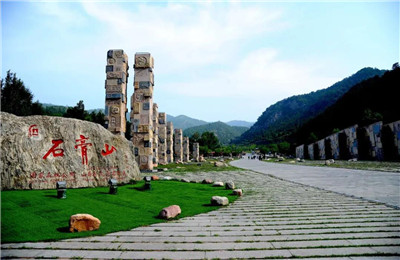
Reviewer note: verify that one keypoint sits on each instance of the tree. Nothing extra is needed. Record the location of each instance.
(77, 111)
(210, 140)
(16, 98)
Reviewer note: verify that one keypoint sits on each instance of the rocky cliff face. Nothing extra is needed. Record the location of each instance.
(38, 151)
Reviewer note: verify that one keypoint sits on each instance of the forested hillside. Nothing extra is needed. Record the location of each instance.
(372, 100)
(224, 132)
(282, 119)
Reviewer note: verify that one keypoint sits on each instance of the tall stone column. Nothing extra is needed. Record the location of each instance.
(162, 138)
(170, 142)
(178, 149)
(186, 151)
(142, 110)
(115, 84)
(196, 152)
(155, 135)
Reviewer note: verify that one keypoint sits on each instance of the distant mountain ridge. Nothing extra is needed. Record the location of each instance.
(240, 123)
(184, 122)
(224, 132)
(281, 119)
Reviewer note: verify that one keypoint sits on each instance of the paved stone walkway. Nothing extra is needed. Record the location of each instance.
(372, 185)
(274, 219)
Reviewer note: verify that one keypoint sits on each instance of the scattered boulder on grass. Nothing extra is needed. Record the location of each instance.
(353, 160)
(229, 185)
(219, 164)
(170, 212)
(83, 222)
(329, 162)
(219, 201)
(207, 181)
(193, 181)
(167, 178)
(238, 192)
(218, 184)
(155, 178)
(184, 180)
(201, 159)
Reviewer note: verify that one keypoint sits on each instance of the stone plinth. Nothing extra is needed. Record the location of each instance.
(142, 111)
(196, 152)
(170, 142)
(155, 135)
(178, 142)
(162, 138)
(186, 151)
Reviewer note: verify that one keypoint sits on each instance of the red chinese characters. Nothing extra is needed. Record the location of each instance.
(107, 150)
(83, 145)
(33, 131)
(54, 150)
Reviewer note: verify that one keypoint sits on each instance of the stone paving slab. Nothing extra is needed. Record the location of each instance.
(373, 185)
(274, 218)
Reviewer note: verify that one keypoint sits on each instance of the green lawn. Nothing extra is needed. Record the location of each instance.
(207, 166)
(37, 215)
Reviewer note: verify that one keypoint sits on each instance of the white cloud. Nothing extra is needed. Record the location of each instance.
(259, 75)
(182, 35)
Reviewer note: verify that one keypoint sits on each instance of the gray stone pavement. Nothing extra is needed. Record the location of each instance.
(372, 185)
(274, 219)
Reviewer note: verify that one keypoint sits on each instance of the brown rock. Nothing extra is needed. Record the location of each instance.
(219, 164)
(83, 222)
(207, 181)
(219, 201)
(238, 192)
(170, 212)
(155, 178)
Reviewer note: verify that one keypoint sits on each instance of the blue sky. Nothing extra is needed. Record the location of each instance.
(226, 60)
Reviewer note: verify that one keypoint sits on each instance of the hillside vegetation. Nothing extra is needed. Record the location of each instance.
(224, 132)
(283, 118)
(372, 100)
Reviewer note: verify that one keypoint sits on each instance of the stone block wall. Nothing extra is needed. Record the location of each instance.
(310, 148)
(374, 134)
(142, 110)
(115, 85)
(300, 151)
(348, 143)
(321, 149)
(332, 146)
(395, 133)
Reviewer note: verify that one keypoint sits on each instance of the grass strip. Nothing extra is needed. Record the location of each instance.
(207, 166)
(37, 215)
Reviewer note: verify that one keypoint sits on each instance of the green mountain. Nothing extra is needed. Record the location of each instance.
(375, 99)
(283, 118)
(184, 122)
(240, 123)
(224, 132)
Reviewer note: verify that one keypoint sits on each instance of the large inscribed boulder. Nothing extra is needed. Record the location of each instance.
(38, 151)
